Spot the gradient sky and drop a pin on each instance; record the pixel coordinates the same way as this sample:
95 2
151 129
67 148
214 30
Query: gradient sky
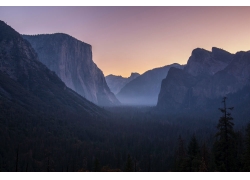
137 39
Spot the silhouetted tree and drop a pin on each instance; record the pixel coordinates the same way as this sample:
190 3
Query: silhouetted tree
17 158
193 155
180 156
224 148
149 164
135 164
247 152
129 164
97 167
205 157
48 165
203 166
26 169
193 148
239 149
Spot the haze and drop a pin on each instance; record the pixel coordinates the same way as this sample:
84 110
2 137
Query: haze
136 39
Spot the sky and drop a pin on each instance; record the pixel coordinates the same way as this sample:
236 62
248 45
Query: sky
136 39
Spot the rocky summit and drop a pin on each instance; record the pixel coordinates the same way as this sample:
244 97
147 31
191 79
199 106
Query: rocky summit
116 83
207 76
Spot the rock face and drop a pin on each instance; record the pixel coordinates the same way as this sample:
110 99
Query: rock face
144 89
29 85
72 61
207 76
116 83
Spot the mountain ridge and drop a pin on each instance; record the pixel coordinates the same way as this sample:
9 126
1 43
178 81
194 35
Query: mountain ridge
144 89
116 83
208 75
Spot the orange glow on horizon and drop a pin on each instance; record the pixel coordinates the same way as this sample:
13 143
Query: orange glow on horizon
137 39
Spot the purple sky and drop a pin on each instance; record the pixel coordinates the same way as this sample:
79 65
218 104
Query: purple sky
136 39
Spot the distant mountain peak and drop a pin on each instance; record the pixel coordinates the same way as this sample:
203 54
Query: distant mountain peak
133 74
206 62
113 75
218 49
144 89
199 50
117 82
215 50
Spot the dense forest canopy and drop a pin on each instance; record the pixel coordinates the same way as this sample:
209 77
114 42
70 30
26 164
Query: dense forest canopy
132 139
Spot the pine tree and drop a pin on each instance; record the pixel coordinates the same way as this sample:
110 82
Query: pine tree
203 166
205 157
97 165
180 157
193 147
224 149
239 157
17 158
247 152
129 164
194 155
48 165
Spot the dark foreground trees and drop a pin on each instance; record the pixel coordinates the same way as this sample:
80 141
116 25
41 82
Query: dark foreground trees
194 159
224 146
247 151
129 164
230 150
53 144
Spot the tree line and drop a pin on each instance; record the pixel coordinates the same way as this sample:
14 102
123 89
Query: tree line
131 140
230 151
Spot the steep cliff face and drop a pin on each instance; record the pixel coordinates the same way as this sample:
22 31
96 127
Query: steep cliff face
116 83
144 90
29 85
72 61
203 62
175 89
207 76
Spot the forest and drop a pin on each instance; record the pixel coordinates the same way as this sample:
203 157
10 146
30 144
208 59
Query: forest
137 139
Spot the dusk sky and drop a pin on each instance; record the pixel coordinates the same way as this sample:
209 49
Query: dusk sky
137 39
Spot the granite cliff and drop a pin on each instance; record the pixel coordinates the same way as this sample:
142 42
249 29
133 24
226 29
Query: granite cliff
207 76
72 61
28 86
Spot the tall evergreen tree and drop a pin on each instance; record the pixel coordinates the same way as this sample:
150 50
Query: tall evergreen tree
180 156
129 164
224 146
204 158
193 155
203 166
239 157
97 167
193 147
247 152
17 158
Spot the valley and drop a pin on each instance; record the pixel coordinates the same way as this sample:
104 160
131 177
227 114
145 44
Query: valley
60 113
